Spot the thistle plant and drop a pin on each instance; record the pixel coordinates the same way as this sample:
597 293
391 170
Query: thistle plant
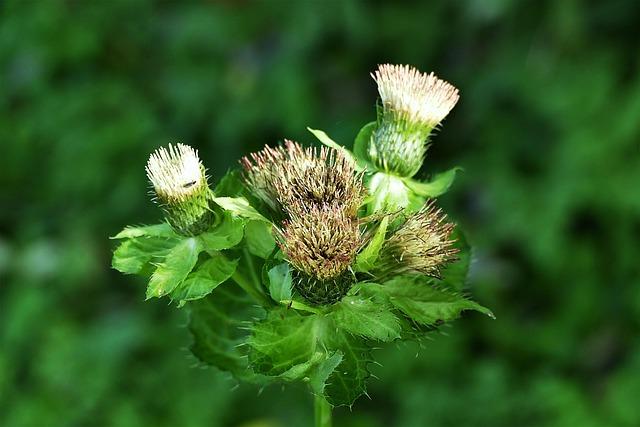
300 263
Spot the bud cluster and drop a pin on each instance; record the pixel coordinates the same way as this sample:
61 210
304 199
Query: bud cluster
318 193
180 184
413 104
422 244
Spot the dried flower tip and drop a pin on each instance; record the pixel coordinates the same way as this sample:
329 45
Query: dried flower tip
418 97
423 244
321 244
290 178
180 183
175 172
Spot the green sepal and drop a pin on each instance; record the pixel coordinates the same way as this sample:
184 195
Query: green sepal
136 256
218 324
365 260
426 305
439 185
205 278
175 267
280 282
366 318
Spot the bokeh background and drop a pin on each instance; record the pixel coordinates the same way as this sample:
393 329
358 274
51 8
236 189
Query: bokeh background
548 131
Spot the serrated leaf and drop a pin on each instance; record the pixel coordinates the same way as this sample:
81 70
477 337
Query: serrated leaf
362 141
208 276
425 304
283 340
365 318
439 185
320 375
226 235
326 140
239 206
280 282
259 238
174 269
134 256
155 230
218 326
347 382
366 259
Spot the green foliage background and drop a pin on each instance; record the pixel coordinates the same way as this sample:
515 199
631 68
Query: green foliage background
547 131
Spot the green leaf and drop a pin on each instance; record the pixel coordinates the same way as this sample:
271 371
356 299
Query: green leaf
425 304
280 282
347 382
134 256
283 340
326 140
212 273
174 269
259 238
239 206
318 378
226 235
440 184
361 143
155 230
366 259
230 185
218 326
365 318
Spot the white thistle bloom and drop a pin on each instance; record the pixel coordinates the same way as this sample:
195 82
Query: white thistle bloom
420 96
175 172
180 182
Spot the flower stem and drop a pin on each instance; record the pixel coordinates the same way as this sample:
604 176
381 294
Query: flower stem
322 412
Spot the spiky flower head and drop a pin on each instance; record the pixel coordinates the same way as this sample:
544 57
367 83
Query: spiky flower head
180 183
413 104
290 178
423 244
321 244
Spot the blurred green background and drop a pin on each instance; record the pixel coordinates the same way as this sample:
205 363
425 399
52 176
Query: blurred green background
548 131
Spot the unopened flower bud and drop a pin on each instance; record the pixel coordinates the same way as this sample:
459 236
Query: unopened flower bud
413 104
180 183
423 244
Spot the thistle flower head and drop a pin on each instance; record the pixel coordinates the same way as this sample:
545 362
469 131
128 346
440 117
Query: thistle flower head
418 97
321 243
290 178
423 244
180 184
413 104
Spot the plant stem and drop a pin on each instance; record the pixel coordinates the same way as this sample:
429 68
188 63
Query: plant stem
322 410
251 286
